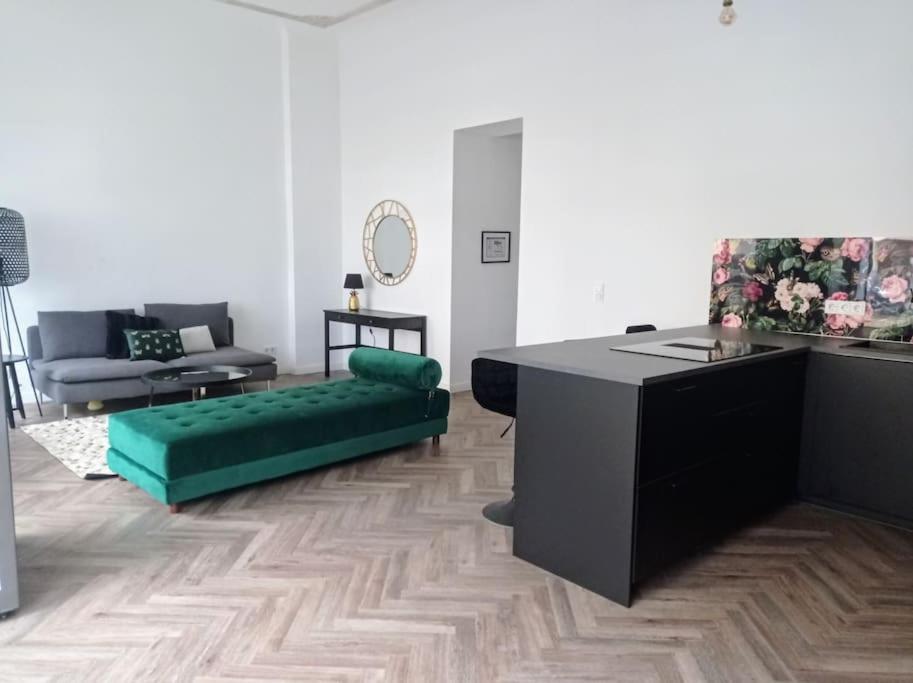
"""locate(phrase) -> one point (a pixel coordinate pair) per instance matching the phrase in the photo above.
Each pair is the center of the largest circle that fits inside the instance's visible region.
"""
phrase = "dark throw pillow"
(116, 342)
(154, 344)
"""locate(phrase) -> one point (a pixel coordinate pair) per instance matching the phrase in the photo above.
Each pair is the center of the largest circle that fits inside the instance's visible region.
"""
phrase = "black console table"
(384, 320)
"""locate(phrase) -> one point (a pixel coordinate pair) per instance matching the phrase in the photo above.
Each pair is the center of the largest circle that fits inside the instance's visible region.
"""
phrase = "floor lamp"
(14, 270)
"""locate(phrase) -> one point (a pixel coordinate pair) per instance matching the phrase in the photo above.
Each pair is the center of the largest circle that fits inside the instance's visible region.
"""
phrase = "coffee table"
(197, 378)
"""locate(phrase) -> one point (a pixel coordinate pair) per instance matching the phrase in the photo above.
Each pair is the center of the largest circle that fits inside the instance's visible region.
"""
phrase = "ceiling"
(320, 13)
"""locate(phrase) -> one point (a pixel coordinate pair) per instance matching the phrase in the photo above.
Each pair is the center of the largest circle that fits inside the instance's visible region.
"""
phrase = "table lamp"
(353, 282)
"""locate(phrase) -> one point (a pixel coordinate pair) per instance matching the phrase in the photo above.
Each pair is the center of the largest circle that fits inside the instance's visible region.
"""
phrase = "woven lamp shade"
(14, 251)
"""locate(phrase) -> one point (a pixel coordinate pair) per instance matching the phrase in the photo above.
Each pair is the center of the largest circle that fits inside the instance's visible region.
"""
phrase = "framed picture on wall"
(495, 246)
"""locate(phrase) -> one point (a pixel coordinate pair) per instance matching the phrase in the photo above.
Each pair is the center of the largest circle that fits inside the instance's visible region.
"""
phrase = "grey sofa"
(85, 375)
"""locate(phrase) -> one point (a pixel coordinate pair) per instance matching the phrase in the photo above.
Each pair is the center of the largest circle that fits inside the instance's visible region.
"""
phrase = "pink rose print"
(839, 296)
(841, 322)
(854, 248)
(721, 254)
(809, 244)
(894, 288)
(732, 320)
(836, 322)
(720, 276)
(752, 291)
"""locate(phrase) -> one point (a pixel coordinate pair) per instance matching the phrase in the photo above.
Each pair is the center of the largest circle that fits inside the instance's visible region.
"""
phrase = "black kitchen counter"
(597, 358)
(626, 462)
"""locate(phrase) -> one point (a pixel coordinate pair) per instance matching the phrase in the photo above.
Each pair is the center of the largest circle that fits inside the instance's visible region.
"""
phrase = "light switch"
(599, 293)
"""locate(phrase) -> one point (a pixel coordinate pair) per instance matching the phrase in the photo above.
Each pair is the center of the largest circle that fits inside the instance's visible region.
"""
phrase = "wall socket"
(271, 350)
(834, 307)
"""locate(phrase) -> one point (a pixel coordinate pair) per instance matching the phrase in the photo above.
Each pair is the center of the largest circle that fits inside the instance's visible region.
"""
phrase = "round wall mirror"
(389, 242)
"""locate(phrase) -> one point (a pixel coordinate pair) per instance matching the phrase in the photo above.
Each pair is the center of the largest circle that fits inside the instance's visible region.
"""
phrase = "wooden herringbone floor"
(383, 569)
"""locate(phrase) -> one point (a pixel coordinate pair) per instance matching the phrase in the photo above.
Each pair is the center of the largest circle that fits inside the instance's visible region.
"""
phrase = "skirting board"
(457, 387)
(314, 368)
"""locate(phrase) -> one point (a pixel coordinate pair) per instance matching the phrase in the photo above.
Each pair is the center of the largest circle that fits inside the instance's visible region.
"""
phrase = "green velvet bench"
(188, 450)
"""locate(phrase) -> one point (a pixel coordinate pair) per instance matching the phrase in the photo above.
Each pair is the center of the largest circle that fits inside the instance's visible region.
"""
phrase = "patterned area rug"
(80, 444)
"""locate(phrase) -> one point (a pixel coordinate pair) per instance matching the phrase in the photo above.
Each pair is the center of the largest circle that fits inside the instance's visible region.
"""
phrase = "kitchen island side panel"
(575, 473)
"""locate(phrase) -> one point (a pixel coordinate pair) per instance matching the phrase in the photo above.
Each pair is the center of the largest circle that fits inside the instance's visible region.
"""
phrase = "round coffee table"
(196, 378)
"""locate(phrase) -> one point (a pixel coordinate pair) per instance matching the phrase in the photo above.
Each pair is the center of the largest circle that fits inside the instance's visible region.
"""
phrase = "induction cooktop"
(698, 349)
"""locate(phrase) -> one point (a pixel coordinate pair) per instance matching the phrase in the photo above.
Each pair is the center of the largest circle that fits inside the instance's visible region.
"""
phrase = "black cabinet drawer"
(678, 515)
(352, 318)
(342, 317)
(858, 441)
(687, 422)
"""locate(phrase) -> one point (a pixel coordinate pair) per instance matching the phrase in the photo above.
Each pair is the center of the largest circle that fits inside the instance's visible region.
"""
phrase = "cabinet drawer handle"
(679, 390)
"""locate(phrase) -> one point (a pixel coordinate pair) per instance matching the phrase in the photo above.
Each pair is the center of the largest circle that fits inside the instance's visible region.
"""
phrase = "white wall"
(315, 181)
(146, 145)
(649, 131)
(486, 196)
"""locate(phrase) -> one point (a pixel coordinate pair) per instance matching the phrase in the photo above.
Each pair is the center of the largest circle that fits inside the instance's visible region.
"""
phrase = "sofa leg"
(120, 478)
(436, 444)
(66, 411)
(436, 439)
(174, 508)
(269, 385)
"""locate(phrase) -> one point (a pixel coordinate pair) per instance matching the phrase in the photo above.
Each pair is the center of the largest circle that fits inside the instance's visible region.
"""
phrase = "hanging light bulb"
(728, 15)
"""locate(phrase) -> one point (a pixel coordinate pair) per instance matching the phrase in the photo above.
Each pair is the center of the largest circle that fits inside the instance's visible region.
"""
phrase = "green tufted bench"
(187, 450)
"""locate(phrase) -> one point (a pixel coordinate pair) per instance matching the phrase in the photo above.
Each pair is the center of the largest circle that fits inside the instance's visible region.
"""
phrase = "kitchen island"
(627, 462)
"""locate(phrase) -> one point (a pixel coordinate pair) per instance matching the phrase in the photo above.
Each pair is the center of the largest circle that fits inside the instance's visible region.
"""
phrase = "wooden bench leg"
(174, 508)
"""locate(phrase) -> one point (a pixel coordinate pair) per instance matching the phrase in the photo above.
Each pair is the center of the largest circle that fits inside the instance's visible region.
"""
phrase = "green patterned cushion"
(154, 344)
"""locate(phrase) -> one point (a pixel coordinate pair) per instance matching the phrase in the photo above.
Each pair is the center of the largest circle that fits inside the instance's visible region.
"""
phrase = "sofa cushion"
(183, 439)
(396, 367)
(176, 316)
(160, 345)
(116, 343)
(73, 334)
(197, 339)
(73, 370)
(224, 355)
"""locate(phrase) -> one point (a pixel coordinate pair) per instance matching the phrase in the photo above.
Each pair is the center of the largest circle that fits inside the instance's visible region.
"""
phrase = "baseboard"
(314, 368)
(457, 387)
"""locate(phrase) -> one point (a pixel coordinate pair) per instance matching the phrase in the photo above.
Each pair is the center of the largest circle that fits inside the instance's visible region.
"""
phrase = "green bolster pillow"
(395, 367)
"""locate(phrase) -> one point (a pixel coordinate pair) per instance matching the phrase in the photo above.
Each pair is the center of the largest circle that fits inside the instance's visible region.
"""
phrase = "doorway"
(487, 165)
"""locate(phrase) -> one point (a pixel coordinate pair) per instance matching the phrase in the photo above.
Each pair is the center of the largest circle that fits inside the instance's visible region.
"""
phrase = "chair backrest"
(494, 386)
(634, 329)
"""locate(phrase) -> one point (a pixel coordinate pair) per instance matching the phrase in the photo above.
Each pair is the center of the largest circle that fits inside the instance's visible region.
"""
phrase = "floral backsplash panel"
(784, 285)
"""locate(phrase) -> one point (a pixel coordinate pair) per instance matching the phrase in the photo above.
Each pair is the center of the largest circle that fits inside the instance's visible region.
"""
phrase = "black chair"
(634, 329)
(494, 387)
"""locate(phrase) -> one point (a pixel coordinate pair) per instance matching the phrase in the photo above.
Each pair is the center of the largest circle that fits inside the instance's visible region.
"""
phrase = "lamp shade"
(14, 253)
(354, 281)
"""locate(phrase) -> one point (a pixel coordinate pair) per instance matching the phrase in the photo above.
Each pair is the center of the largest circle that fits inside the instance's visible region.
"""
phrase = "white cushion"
(197, 339)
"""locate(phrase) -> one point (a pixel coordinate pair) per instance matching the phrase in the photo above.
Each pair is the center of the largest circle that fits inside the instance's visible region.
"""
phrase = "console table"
(385, 320)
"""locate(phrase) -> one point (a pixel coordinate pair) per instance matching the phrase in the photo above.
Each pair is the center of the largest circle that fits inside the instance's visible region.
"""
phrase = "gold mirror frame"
(382, 210)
